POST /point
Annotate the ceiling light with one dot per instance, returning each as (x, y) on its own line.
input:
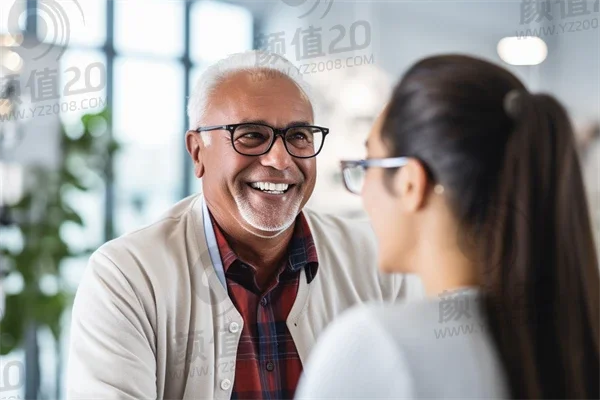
(529, 50)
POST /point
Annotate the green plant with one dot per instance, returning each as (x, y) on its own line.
(38, 219)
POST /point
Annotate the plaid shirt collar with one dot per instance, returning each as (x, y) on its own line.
(301, 250)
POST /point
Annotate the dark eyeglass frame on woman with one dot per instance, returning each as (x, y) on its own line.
(276, 132)
(348, 165)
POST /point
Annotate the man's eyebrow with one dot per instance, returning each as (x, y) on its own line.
(262, 121)
(253, 121)
(298, 123)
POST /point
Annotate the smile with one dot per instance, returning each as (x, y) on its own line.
(271, 188)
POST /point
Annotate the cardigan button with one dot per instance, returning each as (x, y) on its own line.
(234, 327)
(225, 384)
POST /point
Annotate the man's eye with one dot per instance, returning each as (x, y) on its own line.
(302, 135)
(298, 136)
(252, 135)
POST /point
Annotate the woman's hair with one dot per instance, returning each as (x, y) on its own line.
(507, 159)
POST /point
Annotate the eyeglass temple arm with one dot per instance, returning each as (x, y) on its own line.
(211, 128)
(393, 162)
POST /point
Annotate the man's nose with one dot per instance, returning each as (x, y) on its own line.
(277, 157)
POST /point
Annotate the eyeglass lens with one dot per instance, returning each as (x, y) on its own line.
(254, 139)
(354, 178)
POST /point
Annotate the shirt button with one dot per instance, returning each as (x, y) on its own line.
(234, 327)
(270, 366)
(264, 301)
(225, 384)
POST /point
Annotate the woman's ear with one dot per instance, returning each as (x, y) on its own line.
(410, 185)
(193, 144)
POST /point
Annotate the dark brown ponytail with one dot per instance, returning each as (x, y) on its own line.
(544, 302)
(509, 162)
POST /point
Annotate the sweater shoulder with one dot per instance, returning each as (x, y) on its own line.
(168, 229)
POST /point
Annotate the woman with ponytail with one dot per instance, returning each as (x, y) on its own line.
(473, 183)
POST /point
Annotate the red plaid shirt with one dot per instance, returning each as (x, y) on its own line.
(267, 363)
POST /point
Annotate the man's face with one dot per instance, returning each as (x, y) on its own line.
(228, 175)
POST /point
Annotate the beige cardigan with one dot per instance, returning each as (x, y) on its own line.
(152, 320)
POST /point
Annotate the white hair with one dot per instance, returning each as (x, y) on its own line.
(256, 61)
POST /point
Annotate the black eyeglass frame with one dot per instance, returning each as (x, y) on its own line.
(276, 132)
(390, 162)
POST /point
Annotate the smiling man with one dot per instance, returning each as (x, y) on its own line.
(225, 296)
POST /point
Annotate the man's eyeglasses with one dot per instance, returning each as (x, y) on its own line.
(353, 171)
(254, 139)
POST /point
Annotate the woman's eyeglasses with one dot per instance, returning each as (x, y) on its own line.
(354, 171)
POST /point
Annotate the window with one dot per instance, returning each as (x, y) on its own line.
(232, 25)
(12, 16)
(160, 31)
(69, 22)
(148, 123)
(83, 76)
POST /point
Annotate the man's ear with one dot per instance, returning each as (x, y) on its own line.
(193, 144)
(410, 184)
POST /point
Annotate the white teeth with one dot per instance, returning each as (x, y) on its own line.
(270, 187)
